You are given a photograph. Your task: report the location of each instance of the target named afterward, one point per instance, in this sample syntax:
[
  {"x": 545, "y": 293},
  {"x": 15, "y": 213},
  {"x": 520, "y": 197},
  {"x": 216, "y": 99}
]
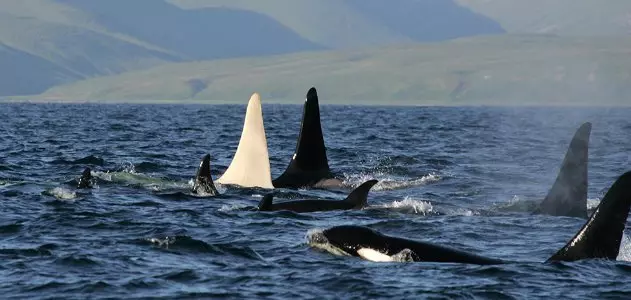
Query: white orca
[{"x": 250, "y": 165}]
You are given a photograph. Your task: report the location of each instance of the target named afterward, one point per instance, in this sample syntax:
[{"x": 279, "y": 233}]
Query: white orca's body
[{"x": 250, "y": 165}]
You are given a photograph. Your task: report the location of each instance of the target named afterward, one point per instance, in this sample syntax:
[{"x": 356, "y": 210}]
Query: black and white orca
[
  {"x": 309, "y": 165},
  {"x": 568, "y": 195},
  {"x": 600, "y": 237},
  {"x": 203, "y": 184},
  {"x": 355, "y": 200},
  {"x": 86, "y": 180}
]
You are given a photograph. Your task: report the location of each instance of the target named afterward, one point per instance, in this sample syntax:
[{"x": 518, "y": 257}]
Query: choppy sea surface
[{"x": 461, "y": 177}]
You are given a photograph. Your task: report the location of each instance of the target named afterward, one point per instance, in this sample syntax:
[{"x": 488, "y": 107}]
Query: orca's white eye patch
[{"x": 373, "y": 255}]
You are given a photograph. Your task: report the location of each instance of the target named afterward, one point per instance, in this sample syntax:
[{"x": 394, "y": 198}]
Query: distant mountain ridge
[
  {"x": 498, "y": 70},
  {"x": 52, "y": 42},
  {"x": 48, "y": 43}
]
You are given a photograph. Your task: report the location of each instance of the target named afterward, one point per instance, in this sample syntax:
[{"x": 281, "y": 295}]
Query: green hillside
[
  {"x": 47, "y": 43},
  {"x": 484, "y": 70}
]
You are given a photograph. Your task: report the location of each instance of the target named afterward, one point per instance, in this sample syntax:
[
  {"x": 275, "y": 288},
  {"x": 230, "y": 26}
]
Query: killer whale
[
  {"x": 355, "y": 200},
  {"x": 250, "y": 165},
  {"x": 599, "y": 237},
  {"x": 86, "y": 180},
  {"x": 203, "y": 183},
  {"x": 309, "y": 165},
  {"x": 568, "y": 194}
]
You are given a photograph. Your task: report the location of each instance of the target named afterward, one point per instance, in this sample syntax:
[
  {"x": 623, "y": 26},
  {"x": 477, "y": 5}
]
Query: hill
[
  {"x": 560, "y": 17},
  {"x": 339, "y": 24},
  {"x": 485, "y": 70},
  {"x": 46, "y": 43},
  {"x": 55, "y": 42}
]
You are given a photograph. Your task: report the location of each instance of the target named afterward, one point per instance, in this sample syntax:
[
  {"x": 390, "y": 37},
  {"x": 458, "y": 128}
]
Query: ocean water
[{"x": 460, "y": 177}]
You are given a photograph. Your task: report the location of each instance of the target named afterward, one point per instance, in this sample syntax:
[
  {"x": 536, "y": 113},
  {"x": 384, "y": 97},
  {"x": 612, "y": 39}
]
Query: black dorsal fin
[
  {"x": 600, "y": 237},
  {"x": 85, "y": 181},
  {"x": 568, "y": 195},
  {"x": 203, "y": 180},
  {"x": 309, "y": 163},
  {"x": 266, "y": 203},
  {"x": 204, "y": 168},
  {"x": 359, "y": 196}
]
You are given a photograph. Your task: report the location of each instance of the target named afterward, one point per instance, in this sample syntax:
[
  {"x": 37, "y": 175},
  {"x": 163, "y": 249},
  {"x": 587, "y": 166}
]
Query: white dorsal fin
[{"x": 250, "y": 165}]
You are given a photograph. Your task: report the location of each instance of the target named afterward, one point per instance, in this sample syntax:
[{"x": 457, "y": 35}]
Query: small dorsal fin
[
  {"x": 601, "y": 235},
  {"x": 266, "y": 203},
  {"x": 309, "y": 164},
  {"x": 359, "y": 196},
  {"x": 203, "y": 184},
  {"x": 85, "y": 182},
  {"x": 568, "y": 195},
  {"x": 250, "y": 165}
]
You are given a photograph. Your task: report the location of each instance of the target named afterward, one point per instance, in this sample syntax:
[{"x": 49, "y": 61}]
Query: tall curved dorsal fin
[
  {"x": 203, "y": 184},
  {"x": 601, "y": 235},
  {"x": 309, "y": 163},
  {"x": 250, "y": 164},
  {"x": 568, "y": 195}
]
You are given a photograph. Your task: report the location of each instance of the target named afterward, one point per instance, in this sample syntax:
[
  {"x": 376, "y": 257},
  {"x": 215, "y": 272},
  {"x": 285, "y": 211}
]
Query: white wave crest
[
  {"x": 165, "y": 242},
  {"x": 592, "y": 203},
  {"x": 625, "y": 249},
  {"x": 62, "y": 194},
  {"x": 411, "y": 205},
  {"x": 387, "y": 182},
  {"x": 130, "y": 177},
  {"x": 231, "y": 207}
]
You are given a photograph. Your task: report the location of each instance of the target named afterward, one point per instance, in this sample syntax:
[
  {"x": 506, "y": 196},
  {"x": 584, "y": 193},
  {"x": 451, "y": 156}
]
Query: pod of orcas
[{"x": 600, "y": 237}]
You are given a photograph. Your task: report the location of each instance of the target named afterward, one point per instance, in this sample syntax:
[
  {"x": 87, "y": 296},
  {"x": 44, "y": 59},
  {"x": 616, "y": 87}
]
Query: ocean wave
[
  {"x": 88, "y": 160},
  {"x": 592, "y": 203},
  {"x": 409, "y": 205},
  {"x": 147, "y": 167},
  {"x": 10, "y": 228},
  {"x": 624, "y": 253},
  {"x": 61, "y": 193},
  {"x": 14, "y": 253},
  {"x": 130, "y": 177},
  {"x": 387, "y": 183},
  {"x": 234, "y": 207},
  {"x": 180, "y": 276},
  {"x": 75, "y": 260},
  {"x": 189, "y": 244}
]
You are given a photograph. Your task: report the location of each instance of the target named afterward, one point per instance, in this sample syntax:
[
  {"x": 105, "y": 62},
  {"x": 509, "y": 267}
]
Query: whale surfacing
[
  {"x": 86, "y": 180},
  {"x": 309, "y": 164},
  {"x": 250, "y": 165},
  {"x": 600, "y": 237},
  {"x": 355, "y": 200},
  {"x": 203, "y": 184},
  {"x": 568, "y": 194}
]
